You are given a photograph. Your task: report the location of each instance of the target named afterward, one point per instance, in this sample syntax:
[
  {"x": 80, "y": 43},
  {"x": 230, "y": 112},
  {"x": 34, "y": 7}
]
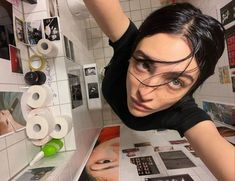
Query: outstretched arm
[
  {"x": 217, "y": 153},
  {"x": 109, "y": 16}
]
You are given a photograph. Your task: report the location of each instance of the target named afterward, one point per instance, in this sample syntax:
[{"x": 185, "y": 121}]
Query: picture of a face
[
  {"x": 145, "y": 72},
  {"x": 103, "y": 163}
]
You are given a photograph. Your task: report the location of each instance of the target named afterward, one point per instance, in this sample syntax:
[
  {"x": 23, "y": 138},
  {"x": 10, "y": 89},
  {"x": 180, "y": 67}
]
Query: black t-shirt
[{"x": 180, "y": 117}]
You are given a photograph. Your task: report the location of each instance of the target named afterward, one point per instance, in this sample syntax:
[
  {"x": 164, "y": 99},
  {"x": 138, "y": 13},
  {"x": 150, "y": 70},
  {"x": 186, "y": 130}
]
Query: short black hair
[{"x": 204, "y": 33}]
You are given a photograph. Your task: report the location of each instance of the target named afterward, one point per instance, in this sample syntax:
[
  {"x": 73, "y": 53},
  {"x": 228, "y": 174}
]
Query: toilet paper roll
[
  {"x": 41, "y": 142},
  {"x": 25, "y": 109},
  {"x": 40, "y": 124},
  {"x": 63, "y": 125},
  {"x": 47, "y": 48},
  {"x": 39, "y": 96}
]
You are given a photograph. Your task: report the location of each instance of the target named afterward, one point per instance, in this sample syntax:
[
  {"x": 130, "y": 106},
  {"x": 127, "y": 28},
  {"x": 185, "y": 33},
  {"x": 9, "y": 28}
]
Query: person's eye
[
  {"x": 103, "y": 161},
  {"x": 176, "y": 84},
  {"x": 143, "y": 65}
]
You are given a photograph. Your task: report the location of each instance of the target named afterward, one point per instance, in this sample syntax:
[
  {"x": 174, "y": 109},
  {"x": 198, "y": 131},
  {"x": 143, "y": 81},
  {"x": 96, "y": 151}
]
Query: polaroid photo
[{"x": 51, "y": 28}]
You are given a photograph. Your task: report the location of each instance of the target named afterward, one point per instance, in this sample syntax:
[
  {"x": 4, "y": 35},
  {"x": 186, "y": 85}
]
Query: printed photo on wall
[
  {"x": 227, "y": 13},
  {"x": 220, "y": 112},
  {"x": 93, "y": 90},
  {"x": 51, "y": 28},
  {"x": 75, "y": 90},
  {"x": 34, "y": 32},
  {"x": 19, "y": 26},
  {"x": 224, "y": 76},
  {"x": 6, "y": 29},
  {"x": 230, "y": 41},
  {"x": 103, "y": 163},
  {"x": 66, "y": 47},
  {"x": 16, "y": 63},
  {"x": 90, "y": 71},
  {"x": 71, "y": 50},
  {"x": 233, "y": 83},
  {"x": 11, "y": 118}
]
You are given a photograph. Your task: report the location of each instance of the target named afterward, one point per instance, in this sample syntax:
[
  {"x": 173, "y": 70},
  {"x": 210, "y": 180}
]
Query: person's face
[
  {"x": 144, "y": 100},
  {"x": 104, "y": 161}
]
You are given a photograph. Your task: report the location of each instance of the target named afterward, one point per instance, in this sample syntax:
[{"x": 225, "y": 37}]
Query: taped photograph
[
  {"x": 51, "y": 28},
  {"x": 11, "y": 118}
]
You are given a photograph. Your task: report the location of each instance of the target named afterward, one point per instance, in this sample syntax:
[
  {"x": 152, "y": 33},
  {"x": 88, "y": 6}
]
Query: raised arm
[
  {"x": 213, "y": 149},
  {"x": 109, "y": 16}
]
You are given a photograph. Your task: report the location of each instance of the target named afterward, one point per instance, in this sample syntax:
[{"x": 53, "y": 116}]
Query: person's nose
[{"x": 144, "y": 92}]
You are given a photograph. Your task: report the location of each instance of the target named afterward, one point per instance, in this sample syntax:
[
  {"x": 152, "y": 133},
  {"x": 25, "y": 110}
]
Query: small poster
[
  {"x": 51, "y": 28},
  {"x": 16, "y": 63}
]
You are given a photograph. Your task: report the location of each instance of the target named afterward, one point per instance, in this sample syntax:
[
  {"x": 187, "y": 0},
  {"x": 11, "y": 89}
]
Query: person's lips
[{"x": 139, "y": 106}]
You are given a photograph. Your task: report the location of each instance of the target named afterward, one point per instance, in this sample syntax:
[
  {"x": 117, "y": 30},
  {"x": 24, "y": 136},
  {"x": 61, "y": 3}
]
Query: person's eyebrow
[{"x": 142, "y": 55}]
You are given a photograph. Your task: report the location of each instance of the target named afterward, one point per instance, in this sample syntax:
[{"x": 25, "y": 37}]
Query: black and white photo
[
  {"x": 93, "y": 90},
  {"x": 90, "y": 71},
  {"x": 34, "y": 32},
  {"x": 51, "y": 29}
]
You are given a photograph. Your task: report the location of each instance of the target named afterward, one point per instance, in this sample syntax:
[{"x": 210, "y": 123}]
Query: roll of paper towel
[
  {"x": 63, "y": 125},
  {"x": 39, "y": 96},
  {"x": 40, "y": 124},
  {"x": 47, "y": 48},
  {"x": 40, "y": 142}
]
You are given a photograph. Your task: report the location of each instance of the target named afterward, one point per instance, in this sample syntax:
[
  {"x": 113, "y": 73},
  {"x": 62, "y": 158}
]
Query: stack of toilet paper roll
[{"x": 41, "y": 125}]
